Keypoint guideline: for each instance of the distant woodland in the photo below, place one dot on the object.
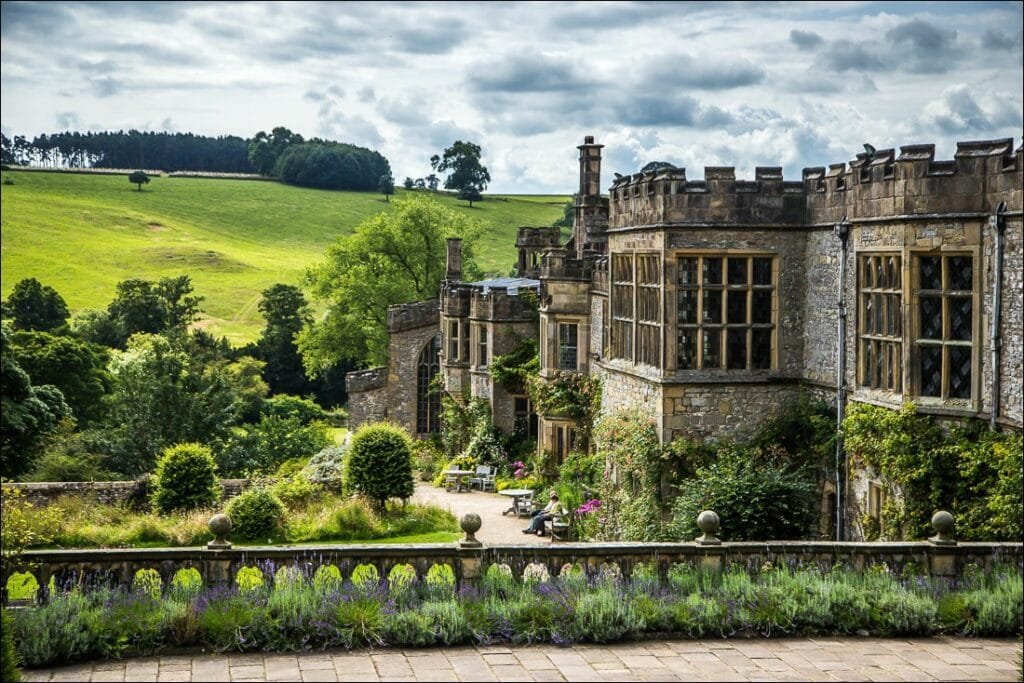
(280, 154)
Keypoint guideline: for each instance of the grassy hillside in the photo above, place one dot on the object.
(82, 234)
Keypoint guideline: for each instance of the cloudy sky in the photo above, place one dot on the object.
(696, 84)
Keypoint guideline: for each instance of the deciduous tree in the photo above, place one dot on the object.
(391, 258)
(34, 306)
(462, 160)
(138, 178)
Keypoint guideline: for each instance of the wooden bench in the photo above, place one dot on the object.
(558, 528)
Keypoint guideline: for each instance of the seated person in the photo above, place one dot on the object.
(540, 516)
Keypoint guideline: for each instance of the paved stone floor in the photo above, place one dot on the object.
(849, 659)
(495, 528)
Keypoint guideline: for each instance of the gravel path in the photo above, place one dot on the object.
(496, 528)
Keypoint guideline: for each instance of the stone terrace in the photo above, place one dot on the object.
(843, 659)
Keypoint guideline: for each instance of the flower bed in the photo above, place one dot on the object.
(325, 609)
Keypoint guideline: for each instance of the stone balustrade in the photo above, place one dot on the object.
(219, 564)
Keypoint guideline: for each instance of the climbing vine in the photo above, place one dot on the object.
(973, 472)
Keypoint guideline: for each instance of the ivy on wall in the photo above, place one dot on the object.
(968, 469)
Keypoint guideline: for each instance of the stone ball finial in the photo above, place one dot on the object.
(709, 523)
(220, 525)
(942, 522)
(470, 524)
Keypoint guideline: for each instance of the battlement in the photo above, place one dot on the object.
(980, 175)
(366, 380)
(502, 303)
(557, 265)
(538, 237)
(667, 196)
(874, 184)
(410, 316)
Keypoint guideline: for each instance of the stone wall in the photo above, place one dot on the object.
(411, 328)
(821, 267)
(367, 396)
(43, 493)
(717, 411)
(1011, 371)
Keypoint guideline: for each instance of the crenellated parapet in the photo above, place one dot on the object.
(366, 380)
(455, 299)
(878, 184)
(666, 196)
(502, 304)
(410, 316)
(531, 244)
(558, 265)
(980, 175)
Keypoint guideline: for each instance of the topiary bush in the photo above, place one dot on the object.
(379, 464)
(185, 479)
(257, 514)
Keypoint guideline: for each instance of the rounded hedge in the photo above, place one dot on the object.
(256, 514)
(185, 479)
(379, 463)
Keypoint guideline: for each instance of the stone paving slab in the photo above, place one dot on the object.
(805, 659)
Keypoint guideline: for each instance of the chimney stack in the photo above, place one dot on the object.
(453, 265)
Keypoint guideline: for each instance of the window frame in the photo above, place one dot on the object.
(915, 340)
(699, 327)
(563, 347)
(897, 387)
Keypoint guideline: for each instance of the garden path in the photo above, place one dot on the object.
(496, 528)
(796, 659)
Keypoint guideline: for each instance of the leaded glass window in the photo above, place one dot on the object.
(945, 325)
(725, 312)
(428, 399)
(880, 302)
(648, 331)
(568, 346)
(622, 306)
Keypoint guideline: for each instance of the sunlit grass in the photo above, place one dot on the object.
(82, 234)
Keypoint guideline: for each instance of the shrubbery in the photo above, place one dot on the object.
(257, 514)
(379, 464)
(185, 479)
(755, 498)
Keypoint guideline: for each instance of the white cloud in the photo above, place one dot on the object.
(697, 84)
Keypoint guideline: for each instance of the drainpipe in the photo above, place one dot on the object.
(842, 230)
(998, 222)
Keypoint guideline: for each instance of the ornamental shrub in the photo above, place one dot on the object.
(756, 499)
(257, 514)
(185, 479)
(379, 464)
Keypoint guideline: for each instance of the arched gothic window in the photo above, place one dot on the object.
(428, 403)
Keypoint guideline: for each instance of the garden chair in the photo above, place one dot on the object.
(451, 480)
(484, 478)
(524, 505)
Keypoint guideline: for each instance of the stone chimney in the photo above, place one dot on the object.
(453, 265)
(590, 212)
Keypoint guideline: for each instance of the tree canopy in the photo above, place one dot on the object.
(285, 310)
(138, 178)
(73, 365)
(34, 306)
(141, 306)
(27, 412)
(391, 258)
(462, 161)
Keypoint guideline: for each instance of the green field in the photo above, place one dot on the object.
(82, 234)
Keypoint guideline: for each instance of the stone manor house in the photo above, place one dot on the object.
(709, 303)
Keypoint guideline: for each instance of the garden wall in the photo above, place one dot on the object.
(108, 492)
